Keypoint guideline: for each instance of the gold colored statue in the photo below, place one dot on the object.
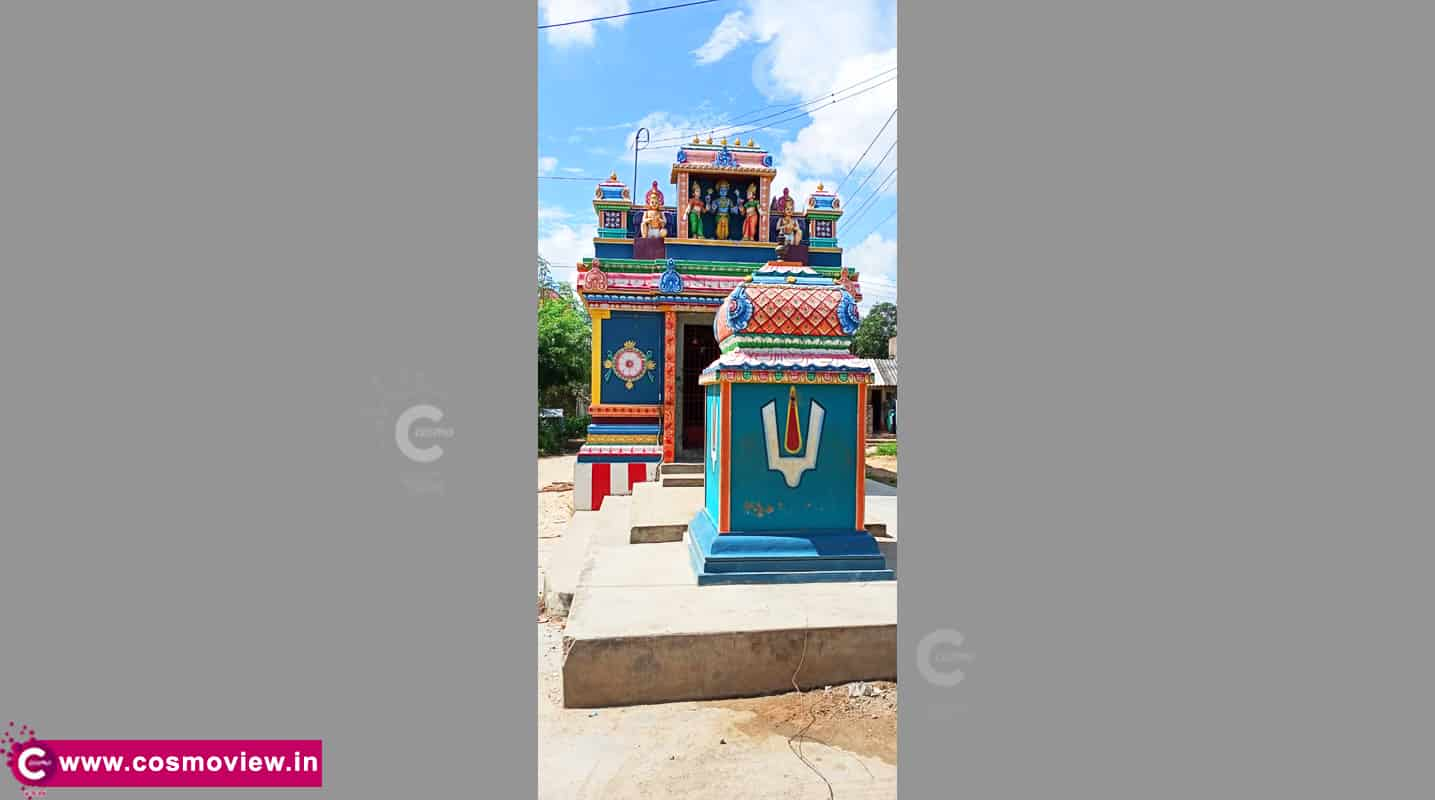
(788, 229)
(654, 226)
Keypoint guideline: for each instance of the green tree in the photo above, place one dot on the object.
(877, 327)
(563, 341)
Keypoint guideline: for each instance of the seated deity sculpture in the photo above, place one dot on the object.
(654, 226)
(788, 229)
(784, 202)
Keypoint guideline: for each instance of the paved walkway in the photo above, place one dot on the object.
(879, 489)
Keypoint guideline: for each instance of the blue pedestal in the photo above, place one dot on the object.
(783, 557)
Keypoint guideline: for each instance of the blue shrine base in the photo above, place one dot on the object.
(783, 557)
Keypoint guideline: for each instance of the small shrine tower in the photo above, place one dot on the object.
(784, 466)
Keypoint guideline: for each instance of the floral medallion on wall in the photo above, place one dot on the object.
(630, 364)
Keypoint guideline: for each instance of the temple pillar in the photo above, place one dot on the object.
(670, 380)
(764, 219)
(682, 205)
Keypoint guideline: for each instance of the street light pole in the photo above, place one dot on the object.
(638, 145)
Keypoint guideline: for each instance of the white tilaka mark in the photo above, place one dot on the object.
(792, 467)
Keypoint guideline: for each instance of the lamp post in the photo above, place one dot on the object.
(640, 140)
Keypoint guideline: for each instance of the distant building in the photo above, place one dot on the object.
(892, 347)
(882, 397)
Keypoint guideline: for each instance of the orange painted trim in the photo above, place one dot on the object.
(861, 457)
(725, 467)
(670, 383)
(600, 410)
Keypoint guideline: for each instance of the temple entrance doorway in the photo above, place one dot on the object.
(699, 349)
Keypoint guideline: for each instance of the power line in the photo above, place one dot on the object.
(876, 193)
(871, 230)
(858, 192)
(866, 204)
(740, 134)
(733, 123)
(819, 98)
(713, 131)
(864, 154)
(628, 14)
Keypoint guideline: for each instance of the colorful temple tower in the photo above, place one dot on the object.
(659, 274)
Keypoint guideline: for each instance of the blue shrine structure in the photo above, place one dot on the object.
(721, 325)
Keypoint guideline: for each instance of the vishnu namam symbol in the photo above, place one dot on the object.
(792, 466)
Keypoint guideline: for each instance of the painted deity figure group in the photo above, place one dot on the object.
(723, 207)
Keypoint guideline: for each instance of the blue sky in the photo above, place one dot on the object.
(705, 66)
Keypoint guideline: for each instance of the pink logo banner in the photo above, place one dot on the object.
(167, 763)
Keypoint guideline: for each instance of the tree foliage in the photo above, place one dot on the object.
(877, 327)
(564, 338)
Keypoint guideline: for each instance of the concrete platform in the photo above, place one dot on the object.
(605, 527)
(643, 631)
(683, 480)
(661, 513)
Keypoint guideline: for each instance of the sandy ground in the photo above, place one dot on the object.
(706, 750)
(554, 507)
(881, 462)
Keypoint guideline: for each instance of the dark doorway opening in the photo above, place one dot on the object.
(700, 348)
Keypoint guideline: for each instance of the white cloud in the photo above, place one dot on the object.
(875, 259)
(551, 214)
(555, 11)
(564, 240)
(732, 31)
(798, 34)
(663, 126)
(546, 165)
(573, 170)
(861, 35)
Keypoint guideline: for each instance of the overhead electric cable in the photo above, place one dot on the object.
(627, 14)
(866, 204)
(864, 153)
(734, 123)
(858, 191)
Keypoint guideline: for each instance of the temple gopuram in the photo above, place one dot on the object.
(660, 273)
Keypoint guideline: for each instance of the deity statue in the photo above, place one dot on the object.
(654, 225)
(696, 207)
(788, 229)
(784, 203)
(749, 221)
(722, 208)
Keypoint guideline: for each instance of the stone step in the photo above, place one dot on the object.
(643, 631)
(682, 469)
(662, 514)
(586, 529)
(684, 480)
